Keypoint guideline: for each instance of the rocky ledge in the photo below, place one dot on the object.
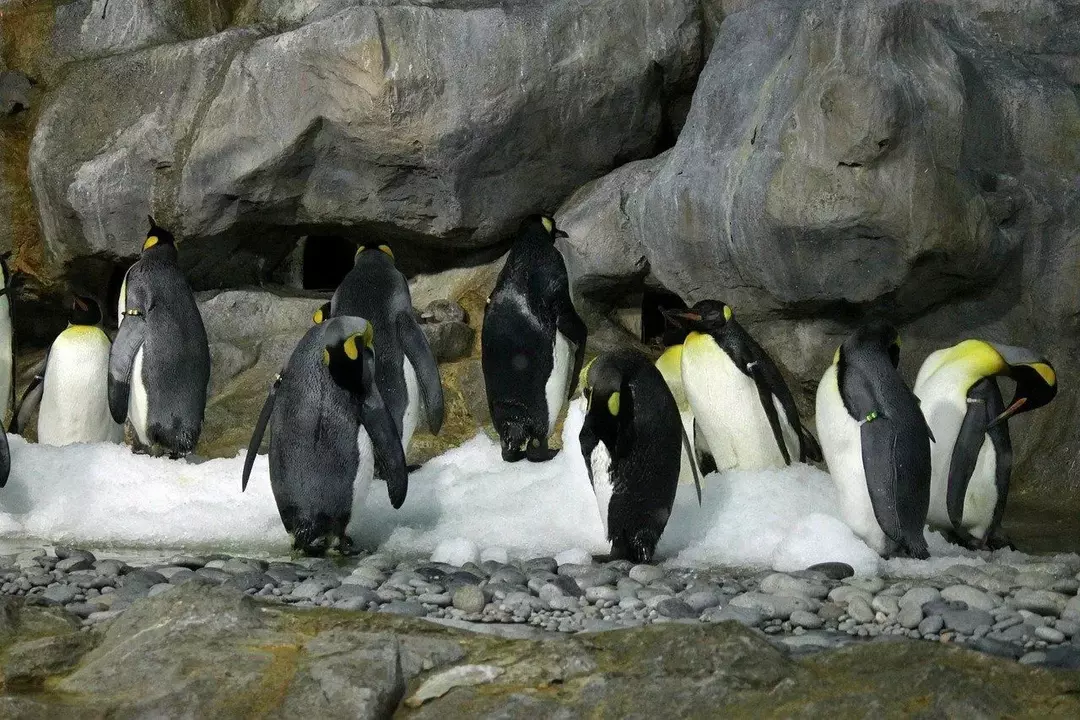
(1012, 606)
(216, 652)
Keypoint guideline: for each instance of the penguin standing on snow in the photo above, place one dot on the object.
(159, 367)
(972, 457)
(741, 404)
(632, 441)
(532, 343)
(670, 366)
(328, 427)
(405, 371)
(7, 364)
(876, 443)
(71, 384)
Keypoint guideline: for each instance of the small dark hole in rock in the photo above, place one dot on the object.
(883, 143)
(327, 259)
(988, 182)
(849, 164)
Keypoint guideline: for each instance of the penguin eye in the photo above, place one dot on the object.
(150, 242)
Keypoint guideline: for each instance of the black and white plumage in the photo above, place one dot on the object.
(632, 439)
(159, 366)
(328, 427)
(532, 342)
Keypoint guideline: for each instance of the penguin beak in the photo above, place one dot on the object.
(1009, 412)
(79, 304)
(561, 234)
(682, 318)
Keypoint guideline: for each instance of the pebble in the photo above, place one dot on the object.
(974, 598)
(887, 604)
(72, 564)
(833, 570)
(965, 621)
(860, 610)
(704, 599)
(675, 608)
(808, 620)
(1043, 602)
(781, 584)
(871, 585)
(1050, 635)
(573, 556)
(62, 594)
(646, 574)
(407, 608)
(1072, 609)
(919, 596)
(772, 606)
(931, 625)
(1033, 658)
(470, 599)
(843, 595)
(747, 616)
(910, 616)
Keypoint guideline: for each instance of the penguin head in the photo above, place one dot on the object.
(1035, 377)
(707, 316)
(603, 387)
(362, 251)
(322, 314)
(85, 311)
(348, 352)
(541, 226)
(157, 236)
(877, 336)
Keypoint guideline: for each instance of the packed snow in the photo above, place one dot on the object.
(466, 505)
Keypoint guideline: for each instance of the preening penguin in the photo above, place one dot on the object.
(741, 404)
(159, 366)
(632, 440)
(532, 343)
(876, 443)
(7, 365)
(406, 371)
(972, 456)
(71, 384)
(328, 426)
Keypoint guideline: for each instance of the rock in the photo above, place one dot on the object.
(965, 621)
(781, 584)
(887, 604)
(810, 621)
(14, 92)
(1068, 627)
(705, 599)
(910, 616)
(870, 585)
(939, 607)
(1033, 658)
(1043, 602)
(744, 615)
(833, 570)
(574, 556)
(1050, 635)
(1062, 657)
(675, 608)
(111, 568)
(469, 599)
(1071, 610)
(445, 681)
(191, 562)
(772, 606)
(919, 596)
(31, 662)
(73, 564)
(932, 625)
(404, 607)
(364, 576)
(449, 339)
(646, 574)
(62, 594)
(844, 594)
(860, 611)
(603, 593)
(313, 587)
(976, 599)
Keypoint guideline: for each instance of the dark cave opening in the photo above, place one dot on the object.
(654, 327)
(326, 259)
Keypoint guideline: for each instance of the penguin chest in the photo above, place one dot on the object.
(944, 407)
(6, 358)
(982, 496)
(562, 365)
(841, 444)
(74, 400)
(365, 470)
(602, 482)
(726, 403)
(138, 402)
(412, 409)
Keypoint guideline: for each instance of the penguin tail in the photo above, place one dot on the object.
(811, 448)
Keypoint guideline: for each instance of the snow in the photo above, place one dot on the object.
(466, 505)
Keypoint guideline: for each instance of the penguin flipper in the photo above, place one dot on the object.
(693, 462)
(984, 405)
(386, 445)
(5, 459)
(31, 398)
(811, 448)
(573, 328)
(260, 429)
(884, 457)
(765, 393)
(705, 460)
(129, 338)
(415, 345)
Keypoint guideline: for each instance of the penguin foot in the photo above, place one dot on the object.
(540, 453)
(414, 467)
(512, 455)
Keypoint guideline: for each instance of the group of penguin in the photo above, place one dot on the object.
(343, 409)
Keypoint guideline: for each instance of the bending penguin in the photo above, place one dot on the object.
(972, 457)
(71, 384)
(632, 440)
(159, 367)
(532, 343)
(328, 425)
(876, 443)
(670, 366)
(7, 364)
(742, 406)
(405, 371)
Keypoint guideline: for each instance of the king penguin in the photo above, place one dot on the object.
(159, 366)
(532, 343)
(670, 366)
(406, 371)
(71, 384)
(7, 364)
(876, 443)
(632, 441)
(741, 404)
(328, 427)
(972, 457)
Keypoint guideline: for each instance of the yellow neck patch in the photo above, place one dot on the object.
(317, 318)
(150, 242)
(351, 350)
(836, 355)
(728, 312)
(976, 359)
(1045, 372)
(613, 404)
(386, 249)
(548, 223)
(326, 357)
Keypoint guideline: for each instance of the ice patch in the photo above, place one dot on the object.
(573, 556)
(456, 551)
(822, 538)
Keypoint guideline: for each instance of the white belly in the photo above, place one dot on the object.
(600, 462)
(6, 357)
(137, 401)
(412, 409)
(686, 472)
(728, 409)
(121, 302)
(365, 469)
(75, 398)
(944, 406)
(841, 443)
(559, 380)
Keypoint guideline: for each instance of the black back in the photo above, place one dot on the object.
(984, 405)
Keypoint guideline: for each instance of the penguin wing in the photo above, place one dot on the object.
(588, 440)
(693, 461)
(570, 324)
(891, 460)
(415, 346)
(984, 404)
(121, 359)
(386, 444)
(5, 459)
(257, 434)
(31, 397)
(765, 393)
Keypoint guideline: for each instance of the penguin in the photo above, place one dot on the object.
(71, 384)
(329, 425)
(7, 363)
(532, 343)
(876, 443)
(159, 367)
(971, 462)
(406, 371)
(741, 404)
(670, 366)
(632, 440)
